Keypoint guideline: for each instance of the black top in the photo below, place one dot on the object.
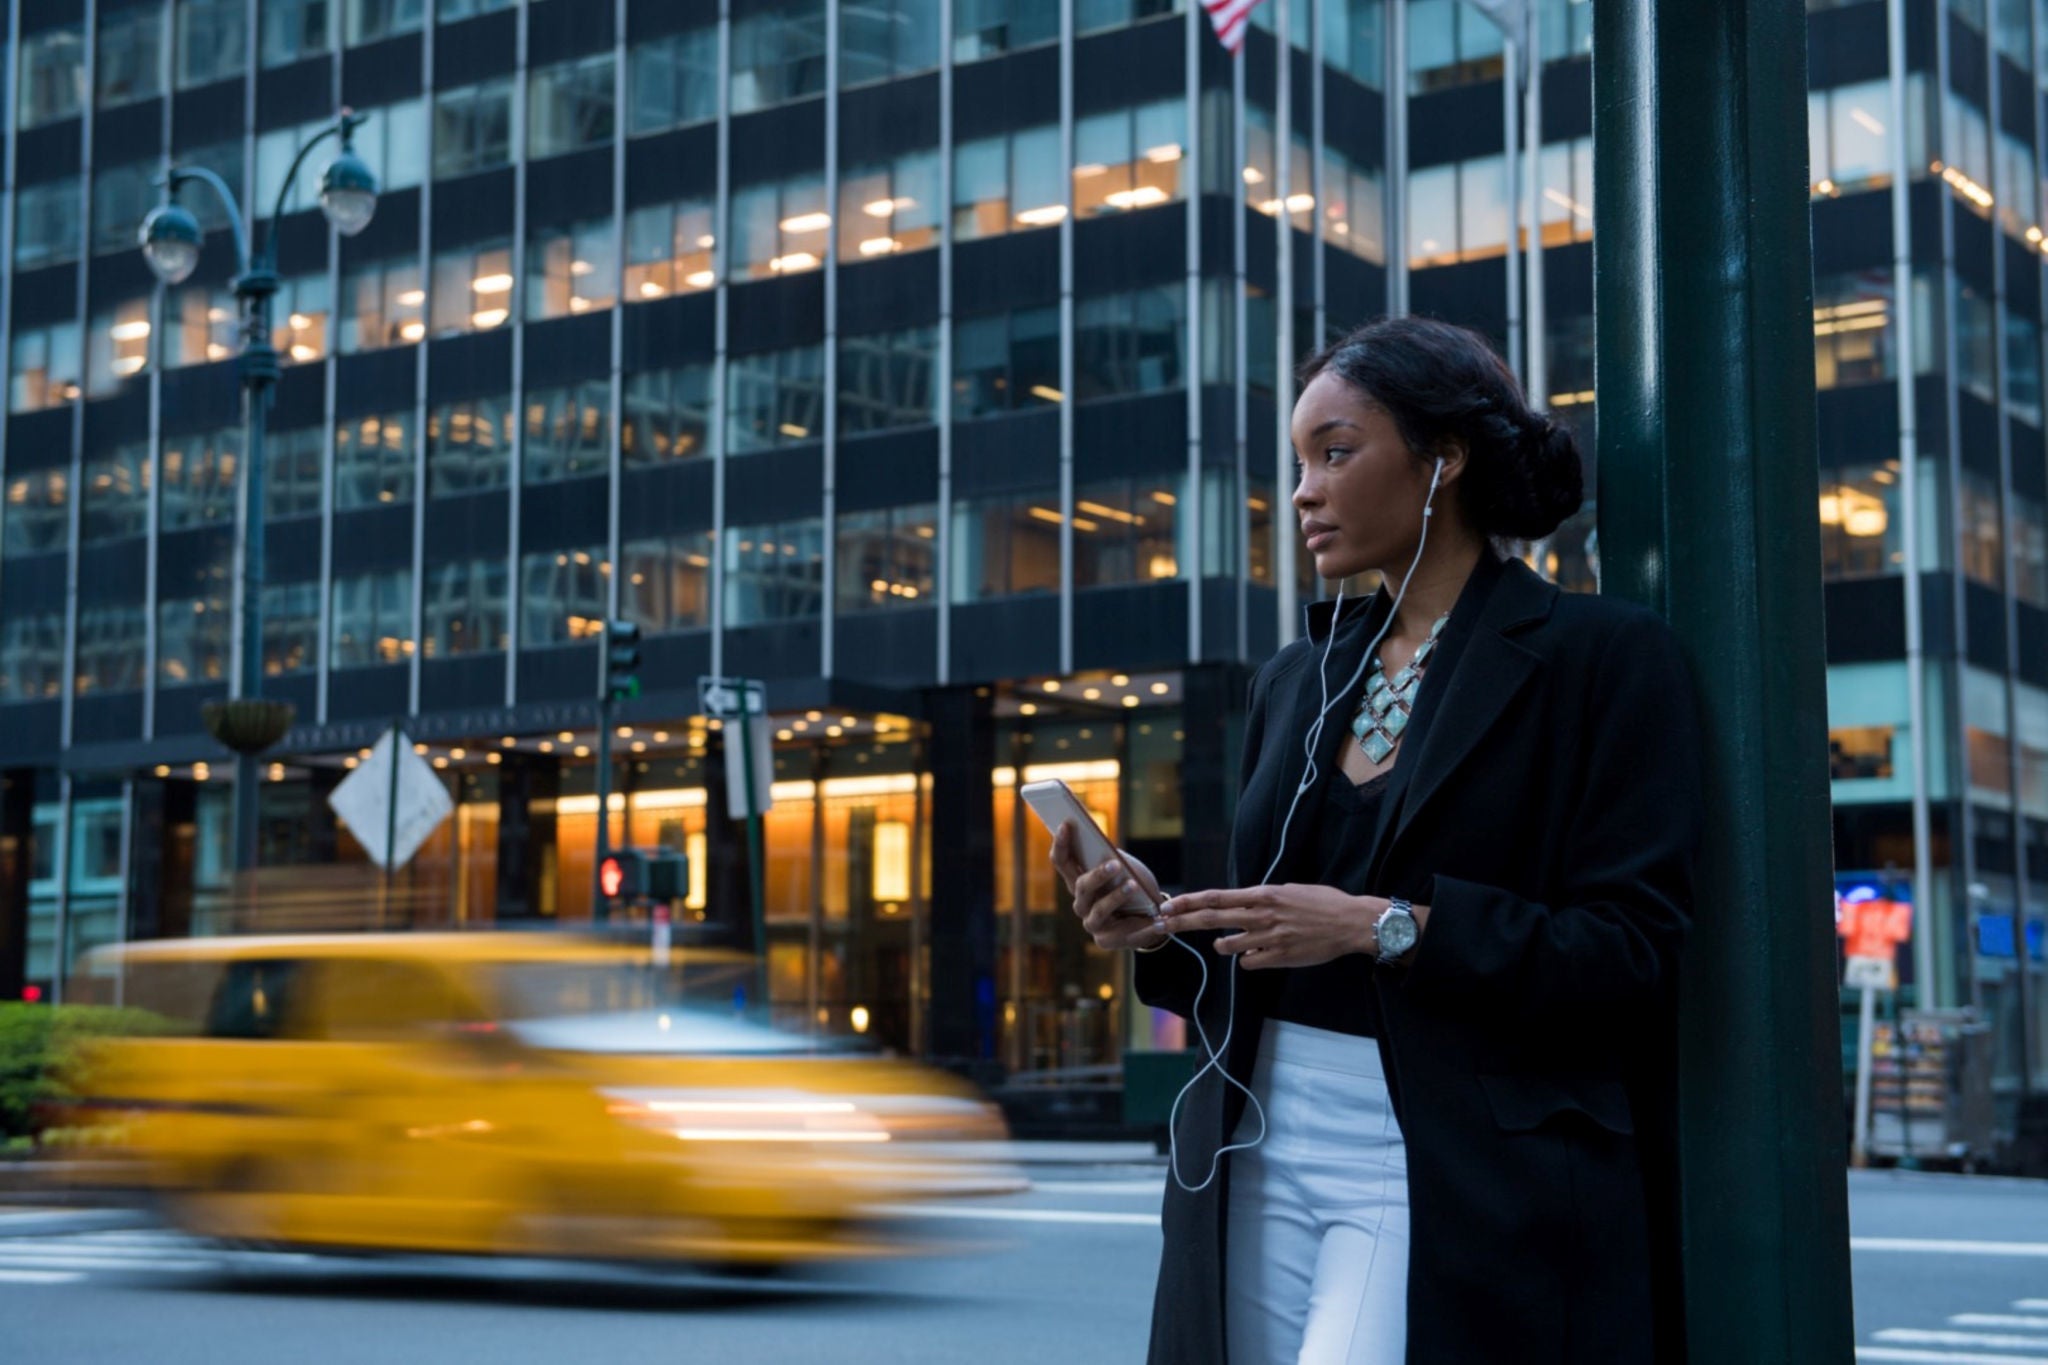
(1337, 995)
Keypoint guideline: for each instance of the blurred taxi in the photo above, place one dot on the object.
(527, 1094)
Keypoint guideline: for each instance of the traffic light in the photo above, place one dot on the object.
(621, 660)
(643, 874)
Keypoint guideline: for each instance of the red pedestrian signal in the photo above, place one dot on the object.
(611, 875)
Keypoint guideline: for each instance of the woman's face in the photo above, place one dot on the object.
(1361, 492)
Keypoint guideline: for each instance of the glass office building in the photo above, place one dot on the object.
(919, 358)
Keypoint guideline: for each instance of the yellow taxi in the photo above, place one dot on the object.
(527, 1094)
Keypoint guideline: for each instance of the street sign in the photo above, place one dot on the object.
(391, 810)
(1871, 974)
(744, 704)
(721, 698)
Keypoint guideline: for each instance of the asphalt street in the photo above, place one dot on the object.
(1949, 1270)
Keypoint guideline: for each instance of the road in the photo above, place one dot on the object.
(1948, 1270)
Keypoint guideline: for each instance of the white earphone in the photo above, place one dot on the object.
(1310, 743)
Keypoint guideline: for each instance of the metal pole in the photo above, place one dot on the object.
(1536, 327)
(600, 910)
(1866, 1030)
(258, 368)
(1395, 183)
(754, 869)
(1511, 117)
(1284, 548)
(391, 826)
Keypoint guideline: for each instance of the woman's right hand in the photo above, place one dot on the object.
(1102, 893)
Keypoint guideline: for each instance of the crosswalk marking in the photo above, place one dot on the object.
(995, 1215)
(1995, 1320)
(1905, 1353)
(1993, 1340)
(39, 1276)
(2031, 1305)
(1930, 1247)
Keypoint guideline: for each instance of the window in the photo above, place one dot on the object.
(373, 460)
(2029, 550)
(46, 224)
(1567, 201)
(467, 607)
(372, 621)
(989, 28)
(1126, 531)
(382, 304)
(117, 346)
(774, 573)
(1262, 171)
(668, 582)
(885, 380)
(115, 495)
(469, 446)
(1353, 38)
(778, 54)
(294, 463)
(779, 229)
(668, 415)
(1567, 29)
(672, 81)
(1848, 135)
(1091, 16)
(32, 657)
(1450, 44)
(562, 596)
(668, 250)
(1002, 184)
(38, 513)
(2023, 368)
(1853, 339)
(291, 627)
(52, 75)
(392, 142)
(131, 61)
(570, 270)
(472, 288)
(1129, 158)
(192, 638)
(887, 558)
(1983, 536)
(570, 106)
(44, 367)
(121, 197)
(891, 207)
(1006, 362)
(880, 39)
(1459, 212)
(1859, 751)
(1005, 545)
(291, 29)
(568, 431)
(448, 11)
(1354, 210)
(213, 40)
(1860, 534)
(774, 398)
(369, 20)
(110, 648)
(1129, 343)
(298, 319)
(199, 479)
(224, 159)
(473, 128)
(1966, 139)
(2019, 187)
(1976, 341)
(202, 323)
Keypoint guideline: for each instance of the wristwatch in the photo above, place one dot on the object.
(1397, 931)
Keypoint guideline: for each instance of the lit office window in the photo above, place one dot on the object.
(473, 128)
(668, 415)
(1450, 44)
(213, 40)
(382, 304)
(1128, 531)
(469, 446)
(201, 324)
(472, 288)
(570, 106)
(467, 607)
(117, 346)
(1129, 343)
(1006, 545)
(779, 229)
(1982, 539)
(1354, 210)
(110, 648)
(672, 81)
(192, 639)
(1129, 158)
(1860, 534)
(52, 75)
(31, 656)
(37, 515)
(778, 54)
(568, 432)
(1853, 339)
(882, 39)
(2029, 550)
(199, 479)
(887, 558)
(989, 28)
(669, 250)
(392, 141)
(1567, 199)
(1966, 144)
(115, 497)
(46, 230)
(369, 20)
(774, 398)
(44, 367)
(298, 319)
(1354, 38)
(372, 621)
(1006, 362)
(131, 57)
(668, 582)
(1007, 184)
(889, 207)
(291, 29)
(570, 270)
(373, 460)
(121, 197)
(885, 380)
(294, 462)
(291, 627)
(2019, 188)
(562, 596)
(774, 573)
(1459, 212)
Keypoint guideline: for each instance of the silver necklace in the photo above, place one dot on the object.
(1383, 716)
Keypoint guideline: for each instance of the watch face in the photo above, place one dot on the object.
(1397, 934)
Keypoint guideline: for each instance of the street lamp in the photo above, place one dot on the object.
(171, 239)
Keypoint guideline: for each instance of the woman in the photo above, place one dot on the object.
(1457, 920)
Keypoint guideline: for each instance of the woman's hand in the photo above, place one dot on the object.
(1101, 893)
(1294, 925)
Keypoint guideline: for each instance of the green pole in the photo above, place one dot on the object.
(754, 890)
(1708, 484)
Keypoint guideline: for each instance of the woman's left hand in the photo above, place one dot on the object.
(1292, 925)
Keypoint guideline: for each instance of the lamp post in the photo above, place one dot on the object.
(171, 239)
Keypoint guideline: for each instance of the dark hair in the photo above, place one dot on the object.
(1440, 382)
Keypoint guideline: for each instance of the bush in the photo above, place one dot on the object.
(36, 1042)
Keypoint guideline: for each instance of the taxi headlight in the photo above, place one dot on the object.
(727, 1116)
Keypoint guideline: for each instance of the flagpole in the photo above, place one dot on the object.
(1511, 116)
(1283, 322)
(1536, 379)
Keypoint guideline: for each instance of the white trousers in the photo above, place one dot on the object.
(1317, 1253)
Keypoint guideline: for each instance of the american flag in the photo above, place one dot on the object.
(1230, 18)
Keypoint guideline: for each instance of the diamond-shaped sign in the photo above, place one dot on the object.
(392, 778)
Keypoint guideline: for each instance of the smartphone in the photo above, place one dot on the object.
(1053, 802)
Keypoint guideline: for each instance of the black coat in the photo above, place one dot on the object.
(1546, 806)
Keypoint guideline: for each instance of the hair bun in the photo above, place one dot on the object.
(1539, 484)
